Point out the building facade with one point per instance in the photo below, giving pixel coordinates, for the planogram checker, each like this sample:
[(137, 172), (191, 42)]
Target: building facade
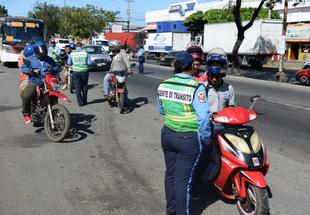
[(298, 29)]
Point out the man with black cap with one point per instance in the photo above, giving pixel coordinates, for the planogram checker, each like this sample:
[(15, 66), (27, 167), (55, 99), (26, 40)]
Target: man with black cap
[(183, 102)]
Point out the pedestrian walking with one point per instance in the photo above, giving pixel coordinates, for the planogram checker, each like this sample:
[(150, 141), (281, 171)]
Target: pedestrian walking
[(141, 59)]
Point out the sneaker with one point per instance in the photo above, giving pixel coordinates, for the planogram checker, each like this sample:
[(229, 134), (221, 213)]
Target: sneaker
[(105, 96), (64, 87), (27, 119)]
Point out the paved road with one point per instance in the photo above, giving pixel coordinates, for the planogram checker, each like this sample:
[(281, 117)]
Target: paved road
[(113, 164)]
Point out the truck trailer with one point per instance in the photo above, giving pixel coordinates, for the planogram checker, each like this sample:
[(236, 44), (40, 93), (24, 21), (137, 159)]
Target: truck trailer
[(166, 42), (261, 41)]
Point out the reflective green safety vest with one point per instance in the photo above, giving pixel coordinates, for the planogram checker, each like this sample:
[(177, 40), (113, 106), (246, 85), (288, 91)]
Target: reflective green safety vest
[(177, 95), (79, 60), (55, 57)]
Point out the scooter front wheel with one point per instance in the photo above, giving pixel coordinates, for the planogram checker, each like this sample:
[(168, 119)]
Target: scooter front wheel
[(255, 203)]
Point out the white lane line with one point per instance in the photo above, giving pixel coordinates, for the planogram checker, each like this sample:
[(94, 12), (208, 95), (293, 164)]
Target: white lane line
[(286, 104)]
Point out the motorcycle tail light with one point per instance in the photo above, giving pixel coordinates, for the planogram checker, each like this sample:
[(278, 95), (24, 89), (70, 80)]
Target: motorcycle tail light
[(239, 143)]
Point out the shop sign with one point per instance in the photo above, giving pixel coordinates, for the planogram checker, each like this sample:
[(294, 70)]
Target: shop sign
[(298, 33)]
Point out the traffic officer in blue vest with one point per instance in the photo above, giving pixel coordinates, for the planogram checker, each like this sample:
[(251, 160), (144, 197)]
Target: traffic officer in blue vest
[(183, 102)]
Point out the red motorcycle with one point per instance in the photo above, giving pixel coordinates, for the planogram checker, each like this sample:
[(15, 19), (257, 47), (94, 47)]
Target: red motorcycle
[(240, 160), (46, 110), (118, 88)]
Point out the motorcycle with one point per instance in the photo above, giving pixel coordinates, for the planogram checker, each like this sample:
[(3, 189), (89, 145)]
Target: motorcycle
[(239, 161), (118, 91), (46, 110)]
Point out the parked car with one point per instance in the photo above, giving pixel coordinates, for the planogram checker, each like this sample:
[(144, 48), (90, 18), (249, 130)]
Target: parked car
[(100, 59), (303, 76)]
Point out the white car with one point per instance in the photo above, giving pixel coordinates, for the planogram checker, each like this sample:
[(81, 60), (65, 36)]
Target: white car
[(61, 43)]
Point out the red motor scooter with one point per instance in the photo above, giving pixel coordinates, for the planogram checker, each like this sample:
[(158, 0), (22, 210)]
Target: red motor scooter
[(241, 161)]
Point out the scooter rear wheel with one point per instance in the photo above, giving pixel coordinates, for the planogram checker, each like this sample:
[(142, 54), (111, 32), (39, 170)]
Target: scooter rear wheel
[(256, 202), (121, 102)]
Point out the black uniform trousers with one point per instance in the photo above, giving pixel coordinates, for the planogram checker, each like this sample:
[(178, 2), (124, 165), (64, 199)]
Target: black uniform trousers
[(182, 151), (80, 80)]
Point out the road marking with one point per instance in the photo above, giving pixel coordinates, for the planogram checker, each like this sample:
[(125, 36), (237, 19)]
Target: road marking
[(286, 104)]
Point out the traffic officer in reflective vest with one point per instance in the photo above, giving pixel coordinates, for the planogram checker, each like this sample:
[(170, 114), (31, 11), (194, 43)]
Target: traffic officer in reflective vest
[(183, 102)]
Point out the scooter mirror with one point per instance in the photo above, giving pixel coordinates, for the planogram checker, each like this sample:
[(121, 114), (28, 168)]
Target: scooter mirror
[(255, 98)]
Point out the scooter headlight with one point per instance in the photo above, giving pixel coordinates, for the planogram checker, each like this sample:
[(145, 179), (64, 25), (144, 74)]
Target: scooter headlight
[(239, 143), (255, 142)]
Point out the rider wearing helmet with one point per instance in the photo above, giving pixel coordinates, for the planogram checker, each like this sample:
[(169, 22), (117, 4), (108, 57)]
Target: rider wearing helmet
[(220, 94), (27, 51), (182, 101), (198, 58), (34, 65)]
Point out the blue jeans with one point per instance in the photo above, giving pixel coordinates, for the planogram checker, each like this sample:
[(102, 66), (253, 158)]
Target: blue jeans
[(105, 84), (141, 68), (182, 151)]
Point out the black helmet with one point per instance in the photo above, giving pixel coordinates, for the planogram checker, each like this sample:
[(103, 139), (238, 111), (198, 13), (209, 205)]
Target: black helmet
[(40, 49)]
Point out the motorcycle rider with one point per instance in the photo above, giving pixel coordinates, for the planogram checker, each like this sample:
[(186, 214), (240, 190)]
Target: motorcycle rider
[(79, 60), (120, 63), (220, 94), (182, 100), (32, 68), (200, 74)]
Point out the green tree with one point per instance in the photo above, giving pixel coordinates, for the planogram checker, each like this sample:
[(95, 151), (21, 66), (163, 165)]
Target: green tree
[(195, 22), (236, 9), (81, 22), (49, 13), (3, 11)]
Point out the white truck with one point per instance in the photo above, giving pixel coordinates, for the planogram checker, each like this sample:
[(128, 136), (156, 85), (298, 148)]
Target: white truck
[(166, 42), (262, 40)]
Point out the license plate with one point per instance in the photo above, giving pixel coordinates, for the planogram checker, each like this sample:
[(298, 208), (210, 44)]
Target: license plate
[(255, 161), (100, 64)]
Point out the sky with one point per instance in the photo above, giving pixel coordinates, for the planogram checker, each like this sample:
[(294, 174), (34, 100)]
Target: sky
[(139, 7)]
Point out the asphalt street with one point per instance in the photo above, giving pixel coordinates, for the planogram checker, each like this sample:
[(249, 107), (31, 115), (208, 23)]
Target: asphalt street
[(112, 163)]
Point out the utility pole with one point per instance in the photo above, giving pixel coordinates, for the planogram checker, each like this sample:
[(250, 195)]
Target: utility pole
[(281, 74), (128, 11), (65, 3)]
